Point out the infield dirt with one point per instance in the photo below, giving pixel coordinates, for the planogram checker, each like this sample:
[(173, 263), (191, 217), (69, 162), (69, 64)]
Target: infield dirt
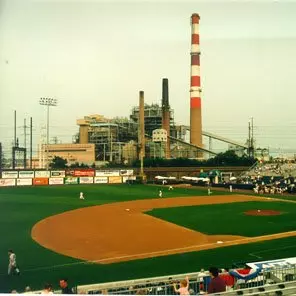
[(122, 231)]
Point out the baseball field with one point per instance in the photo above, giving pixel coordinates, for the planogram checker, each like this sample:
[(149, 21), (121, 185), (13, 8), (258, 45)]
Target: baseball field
[(121, 232)]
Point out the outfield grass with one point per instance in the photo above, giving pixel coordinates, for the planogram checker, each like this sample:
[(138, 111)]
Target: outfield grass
[(21, 208), (231, 218)]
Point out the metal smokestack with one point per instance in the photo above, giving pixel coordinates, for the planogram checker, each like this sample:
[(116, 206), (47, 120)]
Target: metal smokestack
[(195, 89), (166, 114), (141, 132)]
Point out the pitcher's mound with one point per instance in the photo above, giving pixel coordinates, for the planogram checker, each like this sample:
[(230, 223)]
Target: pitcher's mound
[(262, 213)]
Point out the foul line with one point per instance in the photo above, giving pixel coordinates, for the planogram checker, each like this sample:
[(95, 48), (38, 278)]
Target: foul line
[(196, 247), (171, 251)]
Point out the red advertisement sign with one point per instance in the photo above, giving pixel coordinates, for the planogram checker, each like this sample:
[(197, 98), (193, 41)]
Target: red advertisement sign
[(84, 173), (40, 181)]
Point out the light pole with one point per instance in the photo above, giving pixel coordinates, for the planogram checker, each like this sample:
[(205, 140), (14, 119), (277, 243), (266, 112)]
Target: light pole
[(49, 102)]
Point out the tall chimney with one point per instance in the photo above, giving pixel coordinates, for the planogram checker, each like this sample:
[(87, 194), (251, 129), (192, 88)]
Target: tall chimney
[(141, 134), (166, 114), (195, 90)]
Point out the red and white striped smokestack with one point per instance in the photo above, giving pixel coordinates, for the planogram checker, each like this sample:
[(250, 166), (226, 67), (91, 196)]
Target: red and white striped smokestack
[(195, 89)]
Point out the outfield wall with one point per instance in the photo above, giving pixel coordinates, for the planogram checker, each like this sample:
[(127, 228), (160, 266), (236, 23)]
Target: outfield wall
[(65, 177)]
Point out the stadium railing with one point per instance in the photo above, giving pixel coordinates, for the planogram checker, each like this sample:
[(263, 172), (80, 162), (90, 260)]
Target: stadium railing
[(198, 282)]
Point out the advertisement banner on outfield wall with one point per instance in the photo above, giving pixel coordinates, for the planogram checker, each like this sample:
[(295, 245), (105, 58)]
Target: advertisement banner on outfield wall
[(107, 173), (86, 180), (115, 180), (26, 174), (24, 182), (56, 181), (7, 182), (84, 173), (101, 180), (40, 181), (9, 174), (71, 180), (129, 178), (58, 174), (42, 174), (126, 172), (80, 172)]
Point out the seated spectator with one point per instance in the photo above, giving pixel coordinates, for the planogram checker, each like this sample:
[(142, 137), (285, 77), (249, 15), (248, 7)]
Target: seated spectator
[(217, 284), (228, 279), (65, 287), (47, 289), (28, 289), (184, 285)]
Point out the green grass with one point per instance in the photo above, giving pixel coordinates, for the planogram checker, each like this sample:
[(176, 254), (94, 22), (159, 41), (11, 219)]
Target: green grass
[(230, 218), (22, 207)]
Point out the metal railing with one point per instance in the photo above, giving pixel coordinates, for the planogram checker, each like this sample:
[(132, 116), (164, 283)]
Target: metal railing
[(198, 283)]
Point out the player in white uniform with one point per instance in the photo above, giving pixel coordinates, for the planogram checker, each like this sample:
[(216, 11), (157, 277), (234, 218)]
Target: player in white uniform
[(81, 195), (12, 266), (160, 193)]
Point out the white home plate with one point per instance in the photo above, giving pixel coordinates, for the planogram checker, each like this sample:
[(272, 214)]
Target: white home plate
[(127, 209), (219, 242)]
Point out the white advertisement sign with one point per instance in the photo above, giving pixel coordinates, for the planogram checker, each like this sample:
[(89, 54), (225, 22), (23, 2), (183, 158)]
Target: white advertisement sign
[(107, 173), (26, 174), (57, 174), (9, 175), (7, 182), (42, 174), (86, 180), (56, 181), (279, 263), (24, 182), (129, 178), (126, 172), (101, 180)]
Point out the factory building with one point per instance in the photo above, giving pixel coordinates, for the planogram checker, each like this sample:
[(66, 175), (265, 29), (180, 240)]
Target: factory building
[(116, 139)]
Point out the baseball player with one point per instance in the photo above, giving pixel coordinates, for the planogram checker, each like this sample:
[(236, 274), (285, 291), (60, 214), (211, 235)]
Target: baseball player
[(12, 266), (81, 195), (160, 193)]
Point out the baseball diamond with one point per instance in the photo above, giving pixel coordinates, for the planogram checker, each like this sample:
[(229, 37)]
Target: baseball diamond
[(98, 240)]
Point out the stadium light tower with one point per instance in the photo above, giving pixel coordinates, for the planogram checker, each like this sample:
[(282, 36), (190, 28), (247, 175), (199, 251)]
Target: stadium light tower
[(49, 102)]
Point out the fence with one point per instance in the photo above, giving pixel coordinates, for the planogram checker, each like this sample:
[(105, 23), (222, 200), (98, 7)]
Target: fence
[(65, 177), (198, 283)]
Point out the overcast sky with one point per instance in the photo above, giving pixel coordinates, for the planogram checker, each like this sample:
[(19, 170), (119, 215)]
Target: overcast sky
[(95, 56)]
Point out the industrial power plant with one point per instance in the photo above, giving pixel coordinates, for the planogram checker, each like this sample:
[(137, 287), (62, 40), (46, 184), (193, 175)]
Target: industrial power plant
[(149, 131)]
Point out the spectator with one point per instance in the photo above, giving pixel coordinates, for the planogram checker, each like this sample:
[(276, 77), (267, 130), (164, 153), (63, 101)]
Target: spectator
[(28, 289), (65, 287), (47, 289), (217, 284), (228, 279), (184, 285), (14, 292)]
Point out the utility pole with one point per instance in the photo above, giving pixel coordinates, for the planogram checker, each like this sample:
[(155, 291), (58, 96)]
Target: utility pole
[(252, 137), (249, 140), (25, 127), (48, 102), (1, 160), (14, 128), (55, 140), (31, 141)]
